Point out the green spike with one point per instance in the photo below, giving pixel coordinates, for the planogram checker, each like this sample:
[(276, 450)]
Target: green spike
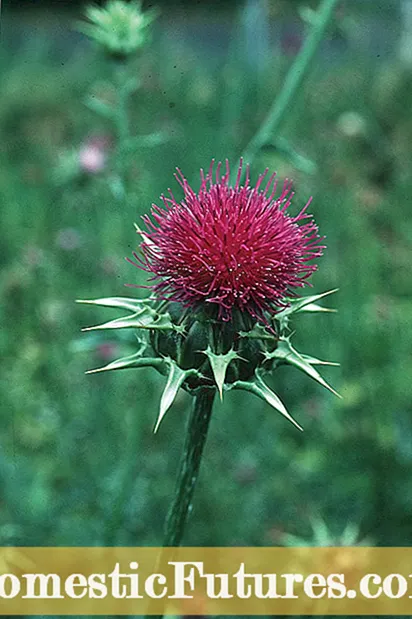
[(314, 361), (258, 332), (132, 361), (175, 379), (146, 318), (314, 307), (219, 365), (287, 353), (260, 389), (123, 302), (136, 320), (297, 305)]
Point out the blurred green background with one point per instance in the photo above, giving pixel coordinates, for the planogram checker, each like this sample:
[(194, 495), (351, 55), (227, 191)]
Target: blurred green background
[(79, 464)]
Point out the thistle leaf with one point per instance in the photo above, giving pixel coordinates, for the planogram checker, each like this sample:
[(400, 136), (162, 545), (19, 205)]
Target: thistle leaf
[(175, 379), (137, 320), (146, 318), (287, 353), (300, 305), (219, 365), (127, 303), (132, 361), (260, 389)]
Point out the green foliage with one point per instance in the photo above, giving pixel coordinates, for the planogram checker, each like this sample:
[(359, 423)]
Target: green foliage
[(79, 462)]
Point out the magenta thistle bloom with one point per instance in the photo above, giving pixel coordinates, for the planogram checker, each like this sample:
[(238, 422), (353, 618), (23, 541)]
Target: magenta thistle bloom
[(231, 246), (224, 259)]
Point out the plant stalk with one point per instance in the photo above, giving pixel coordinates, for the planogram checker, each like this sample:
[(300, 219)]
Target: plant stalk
[(121, 125), (293, 81), (195, 440)]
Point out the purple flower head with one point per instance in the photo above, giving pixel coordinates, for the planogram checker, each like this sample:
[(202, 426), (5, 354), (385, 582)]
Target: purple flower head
[(234, 247)]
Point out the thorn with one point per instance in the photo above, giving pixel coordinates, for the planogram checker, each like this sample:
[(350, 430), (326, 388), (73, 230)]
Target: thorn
[(175, 379), (219, 365)]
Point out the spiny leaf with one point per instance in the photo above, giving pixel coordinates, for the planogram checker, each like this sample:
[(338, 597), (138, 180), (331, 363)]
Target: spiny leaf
[(219, 365), (175, 379), (123, 302), (259, 388), (144, 319), (132, 361), (137, 320), (297, 305), (286, 352)]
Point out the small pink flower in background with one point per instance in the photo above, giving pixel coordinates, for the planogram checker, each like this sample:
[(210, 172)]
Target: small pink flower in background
[(93, 155), (229, 246), (68, 239)]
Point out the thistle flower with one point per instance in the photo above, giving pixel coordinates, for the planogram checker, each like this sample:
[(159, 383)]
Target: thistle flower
[(121, 28), (224, 266), (231, 247)]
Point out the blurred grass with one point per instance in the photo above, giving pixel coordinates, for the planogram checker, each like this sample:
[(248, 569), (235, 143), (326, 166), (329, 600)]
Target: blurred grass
[(67, 440)]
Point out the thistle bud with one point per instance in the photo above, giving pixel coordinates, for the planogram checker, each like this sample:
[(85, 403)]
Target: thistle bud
[(120, 28)]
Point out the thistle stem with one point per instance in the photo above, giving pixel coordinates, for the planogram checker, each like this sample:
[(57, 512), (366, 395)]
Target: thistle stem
[(293, 81), (121, 124), (122, 120), (195, 440)]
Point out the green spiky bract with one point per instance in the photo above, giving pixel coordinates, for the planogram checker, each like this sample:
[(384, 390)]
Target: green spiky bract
[(195, 351), (121, 28)]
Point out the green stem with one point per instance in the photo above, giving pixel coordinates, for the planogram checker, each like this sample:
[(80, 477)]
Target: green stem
[(293, 81), (121, 121), (195, 440), (196, 434)]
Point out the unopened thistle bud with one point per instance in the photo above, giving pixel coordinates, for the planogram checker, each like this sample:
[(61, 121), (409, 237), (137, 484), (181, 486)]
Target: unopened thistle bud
[(224, 265), (120, 28)]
